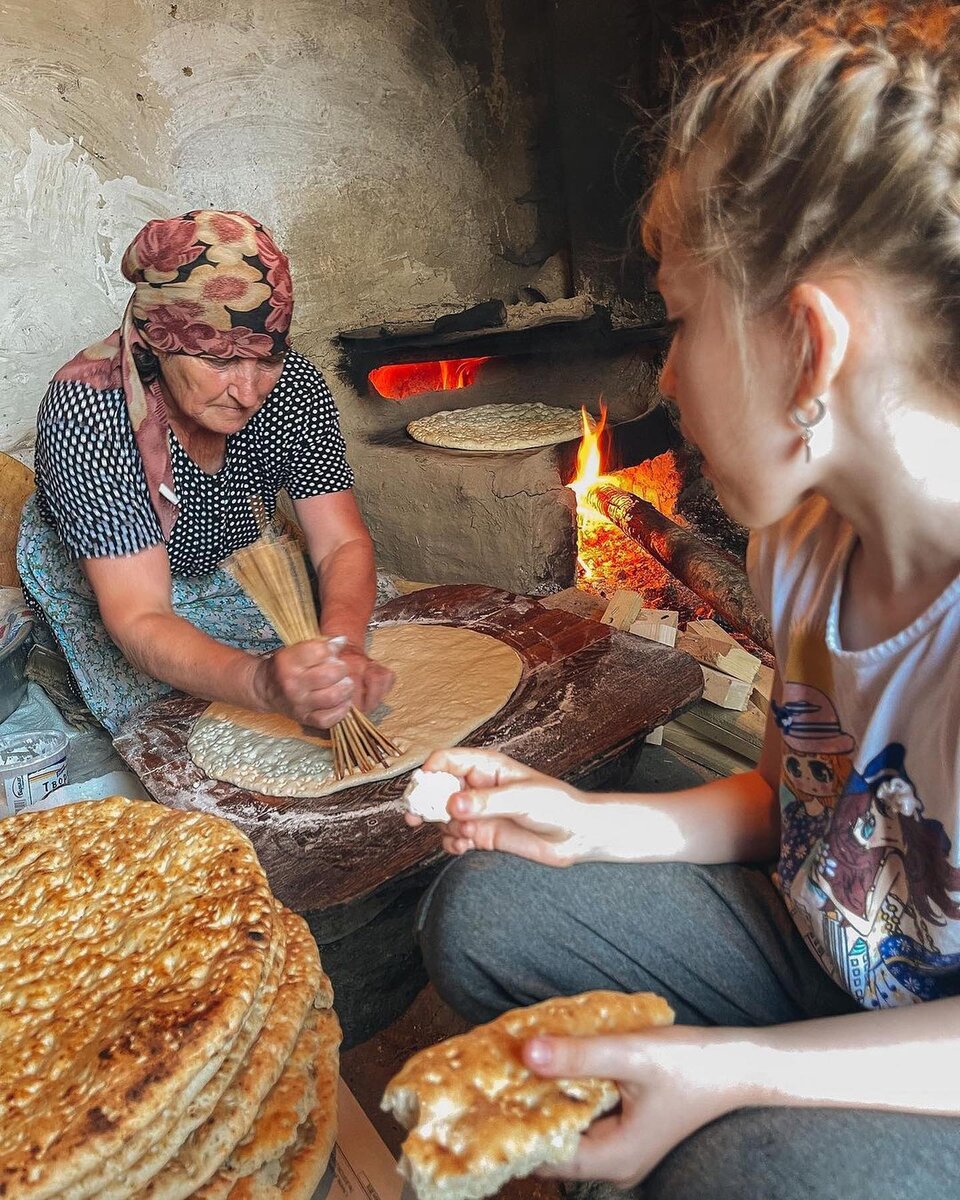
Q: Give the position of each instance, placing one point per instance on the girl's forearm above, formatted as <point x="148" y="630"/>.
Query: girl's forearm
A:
<point x="729" y="820"/>
<point x="899" y="1059"/>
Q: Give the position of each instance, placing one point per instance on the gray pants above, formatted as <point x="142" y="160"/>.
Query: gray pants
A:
<point x="498" y="931"/>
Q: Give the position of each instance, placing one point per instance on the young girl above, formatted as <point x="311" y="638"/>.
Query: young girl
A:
<point x="807" y="227"/>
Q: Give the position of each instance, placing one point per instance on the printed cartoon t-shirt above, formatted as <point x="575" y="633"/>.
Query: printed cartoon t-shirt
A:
<point x="870" y="774"/>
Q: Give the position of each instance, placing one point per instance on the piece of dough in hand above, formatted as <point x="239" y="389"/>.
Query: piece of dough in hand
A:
<point x="428" y="794"/>
<point x="478" y="1116"/>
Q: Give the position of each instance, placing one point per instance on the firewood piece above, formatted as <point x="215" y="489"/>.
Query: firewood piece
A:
<point x="623" y="609"/>
<point x="655" y="737"/>
<point x="666" y="616"/>
<point x="705" y="627"/>
<point x="763" y="689"/>
<point x="573" y="600"/>
<point x="704" y="569"/>
<point x="658" y="625"/>
<point x="724" y="690"/>
<point x="732" y="660"/>
<point x="741" y="732"/>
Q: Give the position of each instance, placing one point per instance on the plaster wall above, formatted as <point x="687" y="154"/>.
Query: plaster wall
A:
<point x="346" y="125"/>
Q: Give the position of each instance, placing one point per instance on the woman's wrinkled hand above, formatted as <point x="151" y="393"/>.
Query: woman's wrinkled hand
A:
<point x="372" y="680"/>
<point x="506" y="806"/>
<point x="672" y="1082"/>
<point x="309" y="682"/>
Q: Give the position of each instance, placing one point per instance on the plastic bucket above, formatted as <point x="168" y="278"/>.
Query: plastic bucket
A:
<point x="31" y="766"/>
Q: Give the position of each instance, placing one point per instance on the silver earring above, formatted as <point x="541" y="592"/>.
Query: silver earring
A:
<point x="808" y="424"/>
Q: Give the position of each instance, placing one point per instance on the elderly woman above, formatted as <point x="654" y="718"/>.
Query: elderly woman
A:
<point x="150" y="447"/>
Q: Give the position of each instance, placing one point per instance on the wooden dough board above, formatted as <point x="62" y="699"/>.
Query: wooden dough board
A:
<point x="586" y="693"/>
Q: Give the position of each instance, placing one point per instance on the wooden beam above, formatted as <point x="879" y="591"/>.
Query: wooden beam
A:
<point x="716" y="759"/>
<point x="741" y="732"/>
<point x="704" y="569"/>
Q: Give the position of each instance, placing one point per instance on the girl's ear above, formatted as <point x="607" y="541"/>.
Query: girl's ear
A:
<point x="824" y="331"/>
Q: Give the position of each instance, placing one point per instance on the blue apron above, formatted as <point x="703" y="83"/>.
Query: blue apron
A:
<point x="111" y="687"/>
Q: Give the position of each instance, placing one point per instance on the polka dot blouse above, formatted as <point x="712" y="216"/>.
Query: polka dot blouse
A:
<point x="91" y="484"/>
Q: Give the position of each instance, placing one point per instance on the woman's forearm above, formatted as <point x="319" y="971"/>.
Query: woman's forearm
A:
<point x="348" y="589"/>
<point x="728" y="820"/>
<point x="899" y="1059"/>
<point x="169" y="648"/>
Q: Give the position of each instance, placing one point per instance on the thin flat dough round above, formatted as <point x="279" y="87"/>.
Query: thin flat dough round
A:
<point x="449" y="681"/>
<point x="498" y="427"/>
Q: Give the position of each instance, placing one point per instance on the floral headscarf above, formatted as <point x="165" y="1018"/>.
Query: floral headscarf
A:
<point x="208" y="282"/>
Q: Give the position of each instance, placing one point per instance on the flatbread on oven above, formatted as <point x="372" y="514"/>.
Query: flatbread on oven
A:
<point x="498" y="427"/>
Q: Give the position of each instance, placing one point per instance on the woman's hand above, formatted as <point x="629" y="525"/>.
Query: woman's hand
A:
<point x="309" y="682"/>
<point x="507" y="806"/>
<point x="672" y="1082"/>
<point x="372" y="680"/>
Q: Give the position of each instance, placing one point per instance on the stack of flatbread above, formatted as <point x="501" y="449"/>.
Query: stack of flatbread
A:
<point x="167" y="1029"/>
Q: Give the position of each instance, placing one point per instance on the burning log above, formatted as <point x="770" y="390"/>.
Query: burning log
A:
<point x="704" y="569"/>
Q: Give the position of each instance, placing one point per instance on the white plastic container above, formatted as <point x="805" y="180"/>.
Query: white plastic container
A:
<point x="31" y="766"/>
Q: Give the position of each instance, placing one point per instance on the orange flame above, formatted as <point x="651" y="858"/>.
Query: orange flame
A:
<point x="399" y="380"/>
<point x="590" y="469"/>
<point x="590" y="455"/>
<point x="607" y="559"/>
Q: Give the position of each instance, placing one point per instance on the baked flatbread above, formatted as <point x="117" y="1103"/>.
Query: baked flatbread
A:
<point x="498" y="427"/>
<point x="295" y="1173"/>
<point x="144" y="1155"/>
<point x="190" y="1155"/>
<point x="478" y="1117"/>
<point x="289" y="1103"/>
<point x="134" y="941"/>
<point x="449" y="681"/>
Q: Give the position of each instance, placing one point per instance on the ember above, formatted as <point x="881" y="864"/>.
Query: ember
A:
<point x="607" y="559"/>
<point x="399" y="380"/>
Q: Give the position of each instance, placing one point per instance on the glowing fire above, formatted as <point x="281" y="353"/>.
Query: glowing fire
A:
<point x="590" y="455"/>
<point x="399" y="380"/>
<point x="608" y="559"/>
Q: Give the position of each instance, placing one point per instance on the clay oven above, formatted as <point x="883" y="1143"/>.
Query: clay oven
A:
<point x="583" y="328"/>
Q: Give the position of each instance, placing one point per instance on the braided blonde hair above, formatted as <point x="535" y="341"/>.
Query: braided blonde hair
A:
<point x="837" y="143"/>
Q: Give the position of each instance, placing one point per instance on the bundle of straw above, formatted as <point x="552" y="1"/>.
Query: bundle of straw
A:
<point x="273" y="574"/>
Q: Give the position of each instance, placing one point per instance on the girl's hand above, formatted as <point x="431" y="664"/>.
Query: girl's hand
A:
<point x="507" y="806"/>
<point x="672" y="1082"/>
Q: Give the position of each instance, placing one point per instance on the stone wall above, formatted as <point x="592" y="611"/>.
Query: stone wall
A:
<point x="381" y="141"/>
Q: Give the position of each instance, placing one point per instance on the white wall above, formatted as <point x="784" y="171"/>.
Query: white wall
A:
<point x="339" y="123"/>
